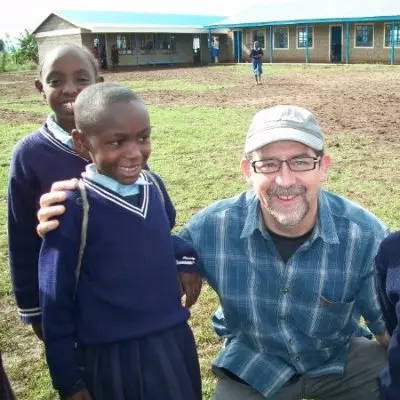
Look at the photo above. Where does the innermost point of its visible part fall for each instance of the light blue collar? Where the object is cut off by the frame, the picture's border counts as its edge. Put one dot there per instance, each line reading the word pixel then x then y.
pixel 93 174
pixel 58 132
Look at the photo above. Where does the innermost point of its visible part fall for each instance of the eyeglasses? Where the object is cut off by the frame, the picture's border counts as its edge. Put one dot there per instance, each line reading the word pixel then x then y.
pixel 295 164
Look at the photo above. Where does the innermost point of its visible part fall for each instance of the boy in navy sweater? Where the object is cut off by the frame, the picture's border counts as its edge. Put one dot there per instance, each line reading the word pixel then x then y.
pixel 123 308
pixel 388 279
pixel 40 159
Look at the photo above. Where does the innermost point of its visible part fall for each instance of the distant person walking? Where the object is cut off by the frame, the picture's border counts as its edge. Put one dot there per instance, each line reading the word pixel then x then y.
pixel 256 54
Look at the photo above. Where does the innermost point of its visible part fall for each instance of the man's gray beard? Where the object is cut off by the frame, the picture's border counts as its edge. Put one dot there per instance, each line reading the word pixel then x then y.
pixel 288 217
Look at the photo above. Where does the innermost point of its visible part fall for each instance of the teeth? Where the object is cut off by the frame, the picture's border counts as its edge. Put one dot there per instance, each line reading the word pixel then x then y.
pixel 286 197
pixel 126 169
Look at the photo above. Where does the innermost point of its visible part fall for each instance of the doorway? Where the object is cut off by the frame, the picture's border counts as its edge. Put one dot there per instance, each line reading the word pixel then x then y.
pixel 336 44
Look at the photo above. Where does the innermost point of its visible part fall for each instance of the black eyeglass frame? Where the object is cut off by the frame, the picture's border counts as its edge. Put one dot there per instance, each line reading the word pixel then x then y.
pixel 316 160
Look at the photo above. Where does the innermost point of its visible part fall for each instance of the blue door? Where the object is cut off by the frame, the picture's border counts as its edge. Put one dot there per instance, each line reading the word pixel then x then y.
pixel 238 46
pixel 336 44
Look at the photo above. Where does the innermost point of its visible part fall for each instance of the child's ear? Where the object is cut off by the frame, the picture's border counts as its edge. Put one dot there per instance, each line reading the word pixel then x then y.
pixel 100 79
pixel 39 87
pixel 80 145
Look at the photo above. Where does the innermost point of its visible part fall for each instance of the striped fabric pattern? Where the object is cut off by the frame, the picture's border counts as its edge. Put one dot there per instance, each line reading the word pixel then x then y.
pixel 280 319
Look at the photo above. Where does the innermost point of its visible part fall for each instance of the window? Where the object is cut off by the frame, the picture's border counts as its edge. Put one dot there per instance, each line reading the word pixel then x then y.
pixel 281 38
pixel 162 41
pixel 124 44
pixel 259 36
pixel 304 37
pixel 364 36
pixel 388 35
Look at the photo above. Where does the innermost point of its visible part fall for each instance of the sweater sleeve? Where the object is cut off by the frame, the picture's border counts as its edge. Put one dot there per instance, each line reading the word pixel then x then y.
pixel 387 307
pixel 387 257
pixel 57 267
pixel 23 241
pixel 185 254
pixel 169 206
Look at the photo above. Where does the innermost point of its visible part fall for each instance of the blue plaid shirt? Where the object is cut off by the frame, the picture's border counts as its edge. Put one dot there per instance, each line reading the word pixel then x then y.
pixel 280 319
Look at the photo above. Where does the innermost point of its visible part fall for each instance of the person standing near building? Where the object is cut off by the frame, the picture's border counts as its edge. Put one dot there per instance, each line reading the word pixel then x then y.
pixel 256 55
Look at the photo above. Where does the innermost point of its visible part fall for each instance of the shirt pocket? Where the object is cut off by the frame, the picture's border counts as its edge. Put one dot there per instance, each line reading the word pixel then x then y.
pixel 331 318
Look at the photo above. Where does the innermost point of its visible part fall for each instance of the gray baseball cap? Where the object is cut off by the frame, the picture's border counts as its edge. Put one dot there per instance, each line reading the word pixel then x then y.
pixel 284 123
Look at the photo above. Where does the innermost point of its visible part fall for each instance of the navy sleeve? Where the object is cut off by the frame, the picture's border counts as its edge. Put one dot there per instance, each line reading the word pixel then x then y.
pixel 387 307
pixel 23 241
pixel 169 206
pixel 388 285
pixel 57 267
pixel 186 257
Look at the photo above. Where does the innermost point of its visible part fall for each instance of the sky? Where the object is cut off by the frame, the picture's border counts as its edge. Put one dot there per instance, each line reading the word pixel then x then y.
pixel 25 14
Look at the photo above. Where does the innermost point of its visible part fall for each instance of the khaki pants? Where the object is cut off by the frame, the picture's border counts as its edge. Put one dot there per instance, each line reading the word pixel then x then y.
pixel 365 362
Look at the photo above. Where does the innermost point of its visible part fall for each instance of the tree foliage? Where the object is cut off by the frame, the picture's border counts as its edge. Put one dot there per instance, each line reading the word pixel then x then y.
pixel 27 49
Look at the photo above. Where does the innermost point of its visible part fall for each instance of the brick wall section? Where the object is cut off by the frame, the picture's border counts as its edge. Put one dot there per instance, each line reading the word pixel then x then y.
pixel 47 43
pixel 53 23
pixel 320 52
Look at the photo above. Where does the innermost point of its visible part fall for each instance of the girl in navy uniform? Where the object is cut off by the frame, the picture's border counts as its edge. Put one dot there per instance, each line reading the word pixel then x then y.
pixel 40 159
pixel 108 274
pixel 256 54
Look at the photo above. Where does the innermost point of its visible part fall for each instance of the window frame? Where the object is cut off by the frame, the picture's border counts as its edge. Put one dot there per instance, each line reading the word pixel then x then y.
pixel 297 37
pixel 384 35
pixel 288 38
pixel 253 35
pixel 373 36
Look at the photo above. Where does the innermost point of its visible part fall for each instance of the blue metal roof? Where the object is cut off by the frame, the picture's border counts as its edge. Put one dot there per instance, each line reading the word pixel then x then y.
pixel 279 12
pixel 83 18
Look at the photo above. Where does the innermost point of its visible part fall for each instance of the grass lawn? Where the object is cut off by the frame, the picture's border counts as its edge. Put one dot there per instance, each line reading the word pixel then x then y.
pixel 199 119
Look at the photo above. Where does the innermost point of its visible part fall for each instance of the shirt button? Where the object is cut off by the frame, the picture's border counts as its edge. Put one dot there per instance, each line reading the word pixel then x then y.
pixel 285 290
pixel 297 358
pixel 290 341
pixel 282 317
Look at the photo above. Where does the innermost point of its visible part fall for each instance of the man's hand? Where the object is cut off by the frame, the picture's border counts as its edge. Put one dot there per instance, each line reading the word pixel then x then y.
pixel 384 339
pixel 50 207
pixel 37 328
pixel 81 395
pixel 190 287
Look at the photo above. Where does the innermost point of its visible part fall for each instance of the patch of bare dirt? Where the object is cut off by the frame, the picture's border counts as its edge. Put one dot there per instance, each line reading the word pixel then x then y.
pixel 343 100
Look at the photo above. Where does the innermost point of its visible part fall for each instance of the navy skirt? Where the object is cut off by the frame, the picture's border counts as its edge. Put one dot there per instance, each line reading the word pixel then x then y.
pixel 163 366
pixel 257 67
pixel 5 387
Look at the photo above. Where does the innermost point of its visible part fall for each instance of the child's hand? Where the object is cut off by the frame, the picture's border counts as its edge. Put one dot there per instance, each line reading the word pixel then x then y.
pixel 81 395
pixel 190 286
pixel 49 207
pixel 37 328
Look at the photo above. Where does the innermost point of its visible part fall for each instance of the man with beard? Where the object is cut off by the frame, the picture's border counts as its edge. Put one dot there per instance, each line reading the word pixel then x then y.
pixel 293 266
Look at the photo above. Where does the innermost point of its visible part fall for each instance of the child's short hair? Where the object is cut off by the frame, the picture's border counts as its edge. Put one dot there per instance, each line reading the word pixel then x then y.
pixel 84 51
pixel 95 99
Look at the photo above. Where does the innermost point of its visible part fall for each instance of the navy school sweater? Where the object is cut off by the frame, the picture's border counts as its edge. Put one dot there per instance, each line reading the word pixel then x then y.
pixel 128 286
pixel 38 160
pixel 388 282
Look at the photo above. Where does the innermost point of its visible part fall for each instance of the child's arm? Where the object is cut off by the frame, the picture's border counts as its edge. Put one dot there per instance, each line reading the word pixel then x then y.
pixel 57 267
pixel 186 257
pixel 23 241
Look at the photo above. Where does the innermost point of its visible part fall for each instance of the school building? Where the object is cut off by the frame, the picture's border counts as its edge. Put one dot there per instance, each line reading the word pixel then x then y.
pixel 141 38
pixel 319 31
pixel 289 31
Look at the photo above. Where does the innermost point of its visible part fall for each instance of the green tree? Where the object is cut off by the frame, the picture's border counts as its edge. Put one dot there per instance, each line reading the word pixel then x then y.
pixel 27 49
